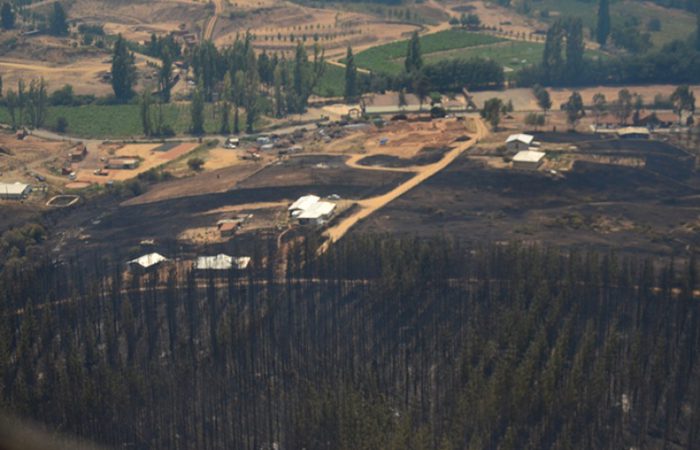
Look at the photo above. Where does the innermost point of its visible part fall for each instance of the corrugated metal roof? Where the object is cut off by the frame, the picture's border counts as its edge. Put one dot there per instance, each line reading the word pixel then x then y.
pixel 148 260
pixel 317 210
pixel 524 138
pixel 15 188
pixel 528 156
pixel 222 262
pixel 304 202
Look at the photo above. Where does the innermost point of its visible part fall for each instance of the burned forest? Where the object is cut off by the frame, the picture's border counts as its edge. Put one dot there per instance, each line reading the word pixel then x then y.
pixel 379 343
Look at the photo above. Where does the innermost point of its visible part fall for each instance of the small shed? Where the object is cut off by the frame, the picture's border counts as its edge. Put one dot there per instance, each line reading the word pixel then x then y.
pixel 228 229
pixel 528 160
pixel 78 153
pixel 122 163
pixel 519 142
pixel 14 191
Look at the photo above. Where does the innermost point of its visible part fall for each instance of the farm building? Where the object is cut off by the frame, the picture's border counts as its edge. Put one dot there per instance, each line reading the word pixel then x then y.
pixel 390 103
pixel 222 262
pixel 122 163
pixel 519 142
pixel 528 159
pixel 78 153
pixel 146 262
pixel 228 229
pixel 316 214
pixel 14 191
pixel 633 133
pixel 302 204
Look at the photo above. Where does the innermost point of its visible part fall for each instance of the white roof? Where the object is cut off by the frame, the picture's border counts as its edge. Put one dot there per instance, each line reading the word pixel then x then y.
pixel 15 188
pixel 149 260
pixel 317 210
pixel 221 262
pixel 633 130
pixel 303 203
pixel 528 156
pixel 524 138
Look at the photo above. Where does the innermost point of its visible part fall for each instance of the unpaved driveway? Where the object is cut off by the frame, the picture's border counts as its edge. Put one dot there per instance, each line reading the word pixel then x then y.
pixel 370 205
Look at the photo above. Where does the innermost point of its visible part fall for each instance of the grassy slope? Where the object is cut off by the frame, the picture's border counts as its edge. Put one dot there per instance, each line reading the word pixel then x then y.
pixel 389 58
pixel 121 121
pixel 675 24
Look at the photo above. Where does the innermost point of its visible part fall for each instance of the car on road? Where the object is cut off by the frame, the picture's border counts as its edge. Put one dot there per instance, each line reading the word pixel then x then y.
pixel 232 143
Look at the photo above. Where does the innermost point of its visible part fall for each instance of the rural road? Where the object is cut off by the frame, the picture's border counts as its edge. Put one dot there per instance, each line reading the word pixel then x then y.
pixel 371 205
pixel 211 24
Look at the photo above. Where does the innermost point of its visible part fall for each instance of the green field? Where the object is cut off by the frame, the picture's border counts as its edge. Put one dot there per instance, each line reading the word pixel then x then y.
pixel 389 58
pixel 332 83
pixel 675 23
pixel 121 121
pixel 510 54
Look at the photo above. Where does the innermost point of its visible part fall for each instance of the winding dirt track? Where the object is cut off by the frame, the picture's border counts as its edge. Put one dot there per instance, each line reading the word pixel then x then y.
pixel 211 24
pixel 370 205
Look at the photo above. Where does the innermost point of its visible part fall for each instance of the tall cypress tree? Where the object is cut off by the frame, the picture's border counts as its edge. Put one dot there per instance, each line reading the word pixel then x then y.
pixel 414 60
pixel 123 71
pixel 350 77
pixel 574 49
pixel 197 111
pixel 697 27
pixel 603 28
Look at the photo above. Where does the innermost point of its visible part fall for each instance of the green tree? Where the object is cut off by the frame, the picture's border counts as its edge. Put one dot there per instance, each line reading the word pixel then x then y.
pixel 145 102
pixel 414 59
pixel 197 111
pixel 574 49
pixel 279 92
pixel 599 106
pixel 697 28
pixel 350 77
pixel 11 102
pixel 252 85
pixel 603 25
pixel 58 24
pixel 123 71
pixel 544 101
pixel 683 99
pixel 574 109
pixel 225 105
pixel 7 15
pixel 37 102
pixel 421 87
pixel 493 108
pixel 622 107
pixel 165 75
pixel 238 99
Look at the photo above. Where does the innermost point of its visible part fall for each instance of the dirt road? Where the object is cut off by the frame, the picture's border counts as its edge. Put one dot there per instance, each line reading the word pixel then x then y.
pixel 370 205
pixel 211 24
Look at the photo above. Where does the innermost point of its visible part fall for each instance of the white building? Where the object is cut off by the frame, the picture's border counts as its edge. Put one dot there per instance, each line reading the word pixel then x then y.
pixel 147 262
pixel 222 262
pixel 519 142
pixel 14 191
pixel 633 133
pixel 302 204
pixel 528 159
pixel 317 214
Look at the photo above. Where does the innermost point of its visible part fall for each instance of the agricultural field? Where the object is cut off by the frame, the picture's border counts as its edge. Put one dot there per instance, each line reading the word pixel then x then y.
pixel 389 58
pixel 512 55
pixel 121 121
pixel 675 23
